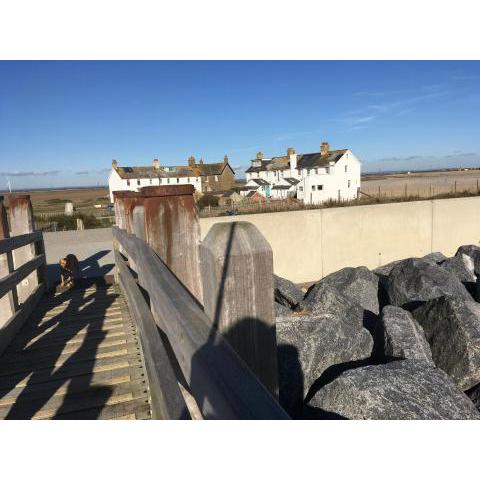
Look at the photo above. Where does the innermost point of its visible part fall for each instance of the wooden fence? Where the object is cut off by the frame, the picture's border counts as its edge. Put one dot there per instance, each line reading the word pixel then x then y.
pixel 23 278
pixel 206 323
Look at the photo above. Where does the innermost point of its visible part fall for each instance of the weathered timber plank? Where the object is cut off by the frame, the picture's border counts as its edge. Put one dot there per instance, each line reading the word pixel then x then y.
pixel 87 349
pixel 57 361
pixel 237 270
pixel 86 339
pixel 138 409
pixel 81 383
pixel 95 397
pixel 13 279
pixel 15 323
pixel 43 340
pixel 11 243
pixel 84 366
pixel 69 327
pixel 166 398
pixel 107 366
pixel 222 384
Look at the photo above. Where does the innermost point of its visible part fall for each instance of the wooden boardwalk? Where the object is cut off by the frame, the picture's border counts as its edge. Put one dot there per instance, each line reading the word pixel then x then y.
pixel 77 357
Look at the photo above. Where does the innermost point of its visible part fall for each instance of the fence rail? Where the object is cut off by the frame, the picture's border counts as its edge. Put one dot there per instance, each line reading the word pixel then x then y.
pixel 22 259
pixel 223 386
pixel 167 401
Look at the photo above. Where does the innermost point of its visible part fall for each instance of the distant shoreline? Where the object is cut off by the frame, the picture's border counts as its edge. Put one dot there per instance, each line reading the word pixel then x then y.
pixel 53 189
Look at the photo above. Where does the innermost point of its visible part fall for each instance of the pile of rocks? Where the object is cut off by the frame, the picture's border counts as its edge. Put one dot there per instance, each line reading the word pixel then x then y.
pixel 398 342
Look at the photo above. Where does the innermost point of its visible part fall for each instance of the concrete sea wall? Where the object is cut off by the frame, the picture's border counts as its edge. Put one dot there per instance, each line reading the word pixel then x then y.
pixel 310 244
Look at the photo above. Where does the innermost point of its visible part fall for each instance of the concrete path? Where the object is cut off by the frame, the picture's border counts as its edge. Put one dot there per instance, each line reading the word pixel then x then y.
pixel 93 248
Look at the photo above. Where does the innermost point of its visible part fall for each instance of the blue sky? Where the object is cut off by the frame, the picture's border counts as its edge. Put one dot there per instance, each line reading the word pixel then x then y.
pixel 61 123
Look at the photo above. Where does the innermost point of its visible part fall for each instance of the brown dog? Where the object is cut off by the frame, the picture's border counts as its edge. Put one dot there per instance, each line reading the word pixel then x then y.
pixel 69 269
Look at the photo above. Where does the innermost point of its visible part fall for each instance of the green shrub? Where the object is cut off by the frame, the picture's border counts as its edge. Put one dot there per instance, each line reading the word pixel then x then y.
pixel 207 201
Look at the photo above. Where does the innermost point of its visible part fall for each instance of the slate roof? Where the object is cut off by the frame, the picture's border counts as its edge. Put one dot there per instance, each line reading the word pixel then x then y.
pixel 281 187
pixel 292 181
pixel 306 160
pixel 260 181
pixel 199 170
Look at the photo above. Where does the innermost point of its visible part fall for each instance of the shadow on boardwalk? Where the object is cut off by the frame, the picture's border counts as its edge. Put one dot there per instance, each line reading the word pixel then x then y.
pixel 43 368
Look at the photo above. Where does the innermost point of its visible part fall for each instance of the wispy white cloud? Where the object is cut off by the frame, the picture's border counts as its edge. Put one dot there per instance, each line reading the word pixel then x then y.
pixel 30 173
pixel 371 112
pixel 92 172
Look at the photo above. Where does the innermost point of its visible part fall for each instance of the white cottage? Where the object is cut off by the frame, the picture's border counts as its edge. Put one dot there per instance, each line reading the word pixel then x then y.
pixel 205 177
pixel 313 177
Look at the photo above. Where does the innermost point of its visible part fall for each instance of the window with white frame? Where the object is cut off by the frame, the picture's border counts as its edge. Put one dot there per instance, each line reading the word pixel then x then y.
pixel 128 183
pixel 314 187
pixel 346 168
pixel 349 184
pixel 320 187
pixel 216 178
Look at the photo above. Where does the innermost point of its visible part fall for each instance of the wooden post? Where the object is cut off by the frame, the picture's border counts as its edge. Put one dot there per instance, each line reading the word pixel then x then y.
pixel 9 302
pixel 172 230
pixel 80 225
pixel 237 271
pixel 134 216
pixel 21 221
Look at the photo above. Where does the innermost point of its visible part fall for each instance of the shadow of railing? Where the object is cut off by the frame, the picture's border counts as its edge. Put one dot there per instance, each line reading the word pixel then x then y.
pixel 42 363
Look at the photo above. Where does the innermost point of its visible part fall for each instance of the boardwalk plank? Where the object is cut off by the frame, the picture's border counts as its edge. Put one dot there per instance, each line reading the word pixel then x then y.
pixel 78 356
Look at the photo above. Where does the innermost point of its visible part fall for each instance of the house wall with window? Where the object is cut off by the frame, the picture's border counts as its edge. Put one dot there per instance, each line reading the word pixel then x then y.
pixel 327 175
pixel 340 184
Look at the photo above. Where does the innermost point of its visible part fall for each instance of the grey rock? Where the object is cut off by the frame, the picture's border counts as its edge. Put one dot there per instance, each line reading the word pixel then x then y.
pixel 325 299
pixel 308 346
pixel 403 390
pixel 462 266
pixel 401 336
pixel 474 395
pixel 286 292
pixel 281 309
pixel 414 281
pixel 434 258
pixel 474 253
pixel 476 294
pixel 452 328
pixel 385 270
pixel 358 284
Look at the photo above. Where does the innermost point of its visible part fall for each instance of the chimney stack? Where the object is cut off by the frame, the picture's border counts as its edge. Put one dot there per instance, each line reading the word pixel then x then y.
pixel 225 159
pixel 292 157
pixel 156 163
pixel 191 161
pixel 324 149
pixel 259 156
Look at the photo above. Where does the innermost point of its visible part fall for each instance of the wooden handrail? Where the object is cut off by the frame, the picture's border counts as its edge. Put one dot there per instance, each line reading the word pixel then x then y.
pixel 167 401
pixel 11 243
pixel 221 383
pixel 13 279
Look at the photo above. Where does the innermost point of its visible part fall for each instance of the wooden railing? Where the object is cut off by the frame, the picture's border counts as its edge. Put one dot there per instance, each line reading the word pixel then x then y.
pixel 13 312
pixel 217 377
